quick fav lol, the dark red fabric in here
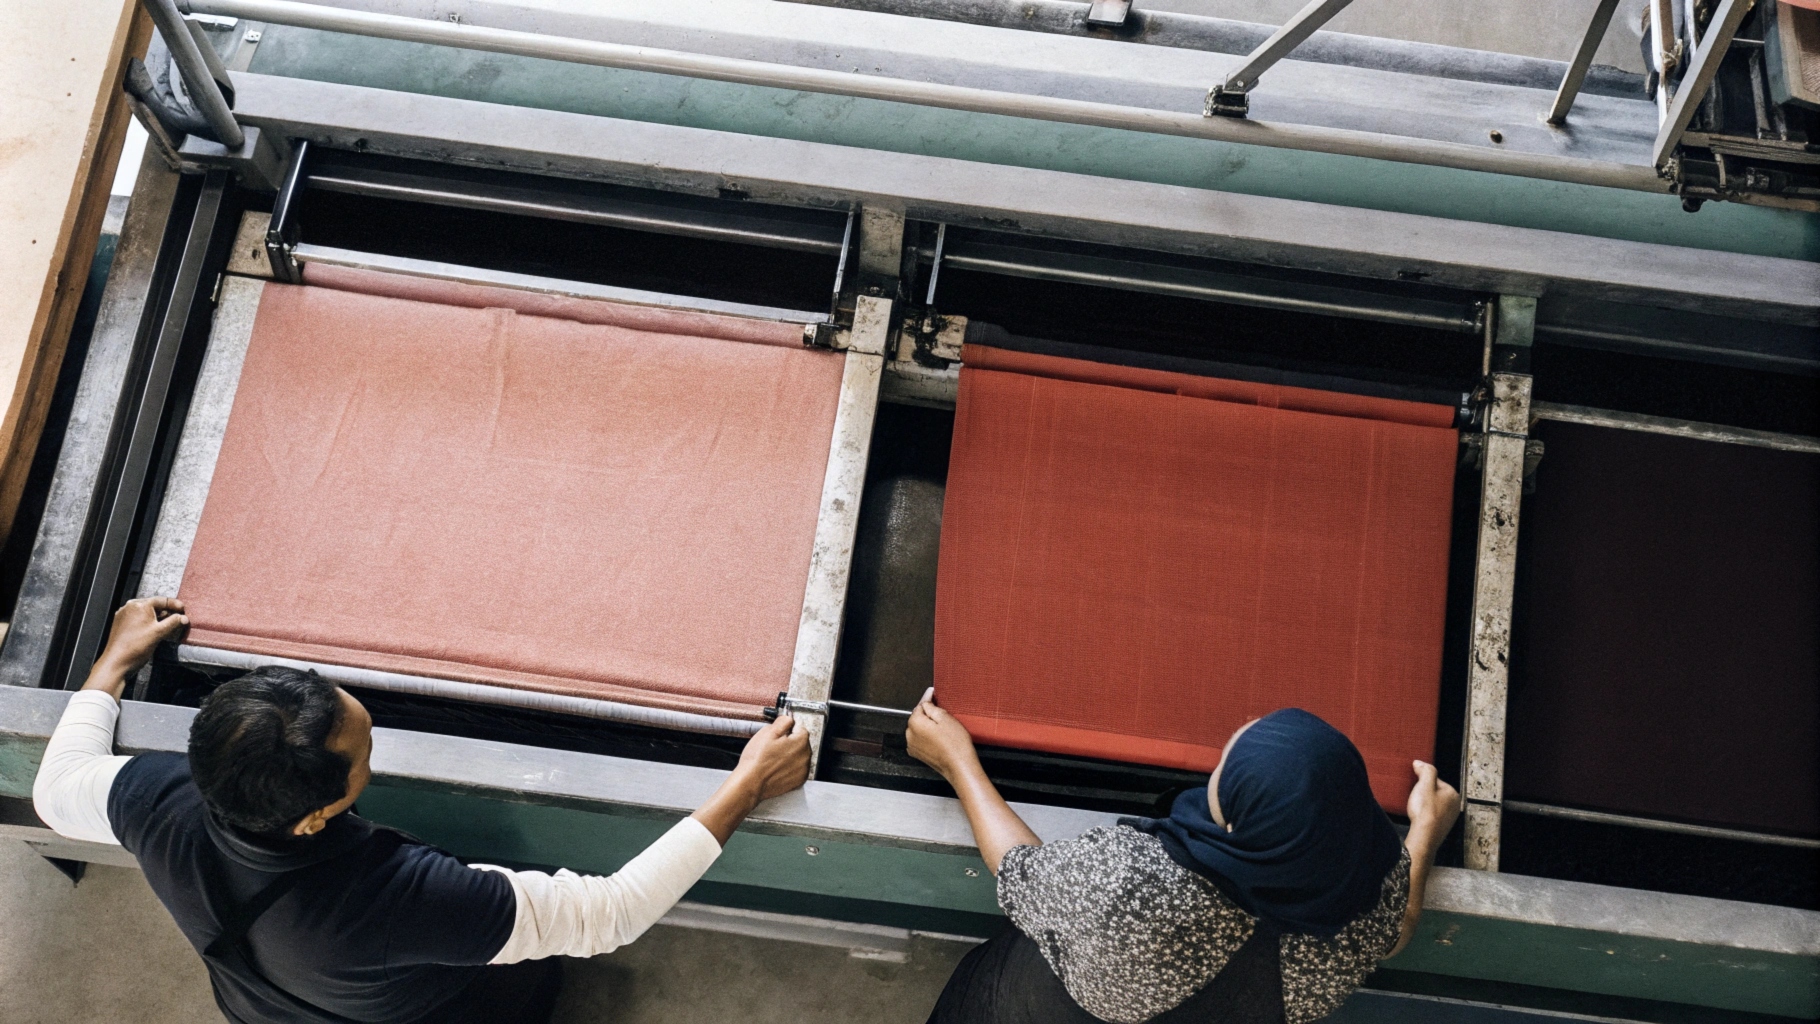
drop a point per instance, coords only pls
(462, 491)
(1132, 572)
(1666, 653)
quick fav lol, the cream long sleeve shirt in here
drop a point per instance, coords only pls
(561, 914)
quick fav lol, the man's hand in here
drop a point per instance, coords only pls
(1433, 804)
(940, 741)
(139, 627)
(775, 761)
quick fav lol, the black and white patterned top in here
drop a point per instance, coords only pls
(1132, 934)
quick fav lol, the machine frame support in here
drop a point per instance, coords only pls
(201, 72)
(1232, 97)
(1698, 78)
(191, 296)
(1506, 439)
(874, 287)
(831, 560)
(1583, 58)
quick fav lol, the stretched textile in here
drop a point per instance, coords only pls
(1666, 653)
(572, 496)
(1136, 562)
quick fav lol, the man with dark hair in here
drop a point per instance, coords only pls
(303, 912)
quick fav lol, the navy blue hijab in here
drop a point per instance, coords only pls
(1309, 846)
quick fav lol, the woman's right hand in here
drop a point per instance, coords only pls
(938, 740)
(1433, 804)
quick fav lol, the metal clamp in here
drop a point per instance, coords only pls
(787, 704)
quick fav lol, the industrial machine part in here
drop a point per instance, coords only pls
(899, 247)
(787, 704)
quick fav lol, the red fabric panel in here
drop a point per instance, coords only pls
(476, 494)
(1132, 574)
(1278, 396)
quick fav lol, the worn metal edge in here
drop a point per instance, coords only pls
(881, 817)
(70, 501)
(187, 488)
(1275, 232)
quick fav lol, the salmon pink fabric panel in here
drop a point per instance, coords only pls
(619, 503)
(1134, 564)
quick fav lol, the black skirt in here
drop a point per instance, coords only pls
(1007, 981)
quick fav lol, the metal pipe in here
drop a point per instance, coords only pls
(1673, 428)
(480, 693)
(953, 97)
(935, 265)
(203, 89)
(1700, 73)
(1321, 300)
(1583, 58)
(584, 209)
(435, 271)
(1662, 54)
(1658, 825)
(1312, 16)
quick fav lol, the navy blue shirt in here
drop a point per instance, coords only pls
(381, 928)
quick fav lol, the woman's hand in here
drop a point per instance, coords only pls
(1432, 803)
(938, 740)
(1433, 808)
(139, 627)
(775, 761)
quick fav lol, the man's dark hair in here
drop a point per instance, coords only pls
(258, 749)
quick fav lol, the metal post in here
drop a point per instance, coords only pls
(935, 266)
(1583, 58)
(1506, 433)
(1231, 98)
(281, 235)
(1707, 57)
(878, 259)
(197, 76)
(1662, 51)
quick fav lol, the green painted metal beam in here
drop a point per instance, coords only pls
(888, 857)
(1489, 949)
(602, 841)
(896, 127)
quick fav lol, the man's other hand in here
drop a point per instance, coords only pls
(139, 627)
(776, 758)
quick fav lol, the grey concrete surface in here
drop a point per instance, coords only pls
(105, 951)
(1539, 28)
(101, 951)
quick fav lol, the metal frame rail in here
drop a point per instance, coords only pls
(988, 101)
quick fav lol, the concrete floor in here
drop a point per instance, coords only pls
(105, 951)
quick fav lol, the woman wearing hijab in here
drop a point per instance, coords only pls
(1266, 896)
